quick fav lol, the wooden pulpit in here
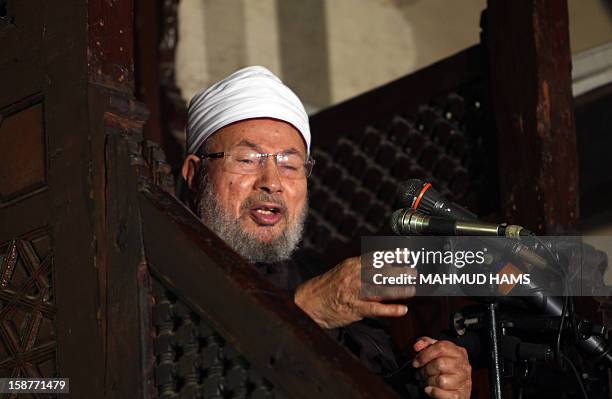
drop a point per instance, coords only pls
(107, 279)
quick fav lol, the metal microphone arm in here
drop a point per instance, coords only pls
(408, 221)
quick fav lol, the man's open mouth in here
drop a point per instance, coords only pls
(266, 213)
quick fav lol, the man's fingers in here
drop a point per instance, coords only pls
(386, 293)
(423, 343)
(447, 381)
(438, 349)
(376, 309)
(440, 393)
(445, 365)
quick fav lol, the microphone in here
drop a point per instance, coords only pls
(515, 350)
(408, 221)
(424, 198)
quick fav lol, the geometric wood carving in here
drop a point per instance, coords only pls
(354, 182)
(22, 150)
(27, 310)
(195, 361)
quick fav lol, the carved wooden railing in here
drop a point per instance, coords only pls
(233, 333)
(207, 323)
(111, 282)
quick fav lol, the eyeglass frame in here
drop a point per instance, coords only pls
(222, 154)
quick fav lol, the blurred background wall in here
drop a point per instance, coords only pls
(330, 50)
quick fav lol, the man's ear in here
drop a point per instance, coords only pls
(190, 165)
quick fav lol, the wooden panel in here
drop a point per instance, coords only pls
(22, 150)
(27, 310)
(45, 52)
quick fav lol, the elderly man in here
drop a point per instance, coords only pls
(248, 161)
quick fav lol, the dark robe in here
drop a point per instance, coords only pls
(367, 339)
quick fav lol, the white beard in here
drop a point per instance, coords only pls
(233, 233)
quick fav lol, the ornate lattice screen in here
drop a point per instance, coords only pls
(192, 360)
(446, 139)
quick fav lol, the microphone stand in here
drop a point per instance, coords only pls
(506, 349)
(590, 341)
(495, 369)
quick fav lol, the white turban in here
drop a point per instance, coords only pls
(252, 92)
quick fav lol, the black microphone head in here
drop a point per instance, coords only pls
(419, 195)
(425, 199)
(408, 191)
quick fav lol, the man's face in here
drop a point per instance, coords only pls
(265, 206)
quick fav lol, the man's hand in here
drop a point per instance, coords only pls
(444, 367)
(332, 299)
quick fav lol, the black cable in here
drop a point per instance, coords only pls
(554, 260)
(568, 304)
(573, 367)
(558, 353)
(551, 254)
(572, 307)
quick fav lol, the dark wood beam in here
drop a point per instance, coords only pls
(156, 38)
(530, 62)
(110, 53)
(147, 20)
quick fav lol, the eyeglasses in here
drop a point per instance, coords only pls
(247, 161)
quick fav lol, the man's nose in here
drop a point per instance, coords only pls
(269, 178)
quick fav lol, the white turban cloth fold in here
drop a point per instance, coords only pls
(252, 92)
